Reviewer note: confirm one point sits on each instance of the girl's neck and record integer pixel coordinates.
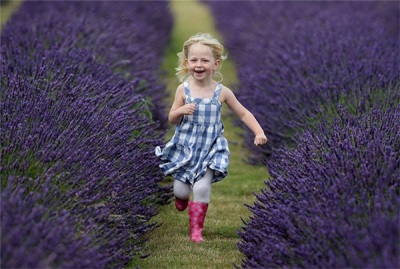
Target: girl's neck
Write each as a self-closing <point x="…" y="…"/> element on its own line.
<point x="202" y="89"/>
<point x="210" y="83"/>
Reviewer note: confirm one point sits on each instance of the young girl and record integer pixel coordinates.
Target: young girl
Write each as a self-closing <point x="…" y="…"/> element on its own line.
<point x="198" y="154"/>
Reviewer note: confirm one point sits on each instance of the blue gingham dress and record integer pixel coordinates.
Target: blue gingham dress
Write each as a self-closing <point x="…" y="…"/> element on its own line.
<point x="198" y="143"/>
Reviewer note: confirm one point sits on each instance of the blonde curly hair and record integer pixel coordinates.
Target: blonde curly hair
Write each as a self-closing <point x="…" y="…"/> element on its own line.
<point x="217" y="49"/>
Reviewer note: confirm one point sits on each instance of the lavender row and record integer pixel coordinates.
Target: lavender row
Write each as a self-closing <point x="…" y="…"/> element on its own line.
<point x="333" y="201"/>
<point x="78" y="175"/>
<point x="297" y="60"/>
<point x="323" y="79"/>
<point x="128" y="38"/>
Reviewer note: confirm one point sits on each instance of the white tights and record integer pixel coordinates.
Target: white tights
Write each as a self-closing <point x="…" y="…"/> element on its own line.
<point x="201" y="188"/>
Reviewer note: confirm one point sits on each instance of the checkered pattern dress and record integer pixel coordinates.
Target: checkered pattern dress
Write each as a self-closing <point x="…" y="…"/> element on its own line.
<point x="198" y="143"/>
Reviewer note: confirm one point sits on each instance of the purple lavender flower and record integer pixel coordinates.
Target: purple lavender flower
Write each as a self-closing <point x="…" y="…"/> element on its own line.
<point x="333" y="201"/>
<point x="45" y="238"/>
<point x="78" y="82"/>
<point x="298" y="60"/>
<point x="323" y="80"/>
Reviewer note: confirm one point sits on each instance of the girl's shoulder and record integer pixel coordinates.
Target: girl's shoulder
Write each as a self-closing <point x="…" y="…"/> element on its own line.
<point x="180" y="91"/>
<point x="225" y="94"/>
<point x="181" y="88"/>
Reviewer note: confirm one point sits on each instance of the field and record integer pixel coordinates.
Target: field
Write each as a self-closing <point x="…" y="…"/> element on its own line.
<point x="86" y="91"/>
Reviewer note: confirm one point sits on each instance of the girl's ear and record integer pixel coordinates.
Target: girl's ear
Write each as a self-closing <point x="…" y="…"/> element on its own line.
<point x="216" y="64"/>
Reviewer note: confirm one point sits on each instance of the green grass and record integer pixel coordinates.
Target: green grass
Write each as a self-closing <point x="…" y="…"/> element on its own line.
<point x="7" y="10"/>
<point x="169" y="244"/>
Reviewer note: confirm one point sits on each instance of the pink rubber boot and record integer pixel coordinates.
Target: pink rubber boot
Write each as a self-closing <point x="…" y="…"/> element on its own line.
<point x="181" y="204"/>
<point x="197" y="214"/>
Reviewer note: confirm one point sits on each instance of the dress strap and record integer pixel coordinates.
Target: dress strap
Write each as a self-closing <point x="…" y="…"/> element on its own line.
<point x="187" y="90"/>
<point x="217" y="91"/>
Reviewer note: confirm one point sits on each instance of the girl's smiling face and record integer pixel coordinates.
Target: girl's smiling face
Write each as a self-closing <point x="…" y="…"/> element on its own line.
<point x="201" y="62"/>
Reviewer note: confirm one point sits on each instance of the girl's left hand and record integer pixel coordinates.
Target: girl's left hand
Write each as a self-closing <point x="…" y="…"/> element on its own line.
<point x="260" y="140"/>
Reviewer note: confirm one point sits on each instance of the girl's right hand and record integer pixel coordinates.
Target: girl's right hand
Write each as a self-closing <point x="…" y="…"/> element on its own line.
<point x="188" y="109"/>
<point x="260" y="139"/>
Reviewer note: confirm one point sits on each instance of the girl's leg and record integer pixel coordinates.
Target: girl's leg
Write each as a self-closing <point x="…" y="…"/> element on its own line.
<point x="198" y="208"/>
<point x="202" y="188"/>
<point x="182" y="194"/>
<point x="181" y="190"/>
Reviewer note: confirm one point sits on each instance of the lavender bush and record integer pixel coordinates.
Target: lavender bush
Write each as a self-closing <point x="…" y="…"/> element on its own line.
<point x="50" y="236"/>
<point x="333" y="201"/>
<point x="298" y="60"/>
<point x="78" y="132"/>
<point x="323" y="79"/>
<point x="128" y="38"/>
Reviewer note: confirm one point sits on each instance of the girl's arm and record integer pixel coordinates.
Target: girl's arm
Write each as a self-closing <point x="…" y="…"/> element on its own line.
<point x="244" y="115"/>
<point x="179" y="108"/>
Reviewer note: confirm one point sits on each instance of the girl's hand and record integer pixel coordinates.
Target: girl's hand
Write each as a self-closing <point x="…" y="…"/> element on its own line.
<point x="188" y="109"/>
<point x="260" y="140"/>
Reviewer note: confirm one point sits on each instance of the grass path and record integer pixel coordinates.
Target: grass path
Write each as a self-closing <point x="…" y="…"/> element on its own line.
<point x="169" y="245"/>
<point x="7" y="10"/>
